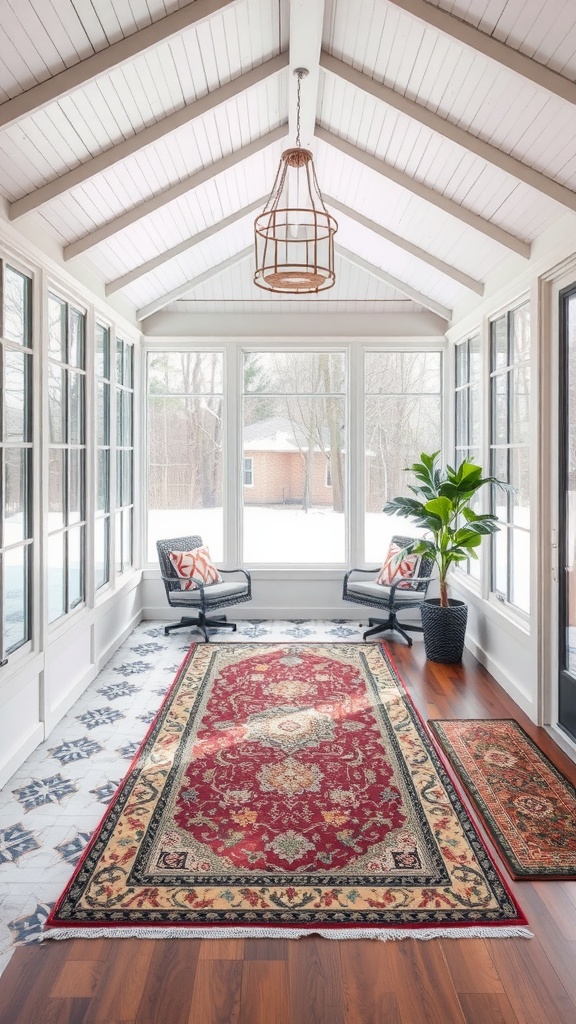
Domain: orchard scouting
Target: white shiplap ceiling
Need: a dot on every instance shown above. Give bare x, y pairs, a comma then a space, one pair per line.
144, 136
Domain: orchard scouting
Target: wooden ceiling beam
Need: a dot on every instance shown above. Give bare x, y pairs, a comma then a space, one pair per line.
306, 20
512, 59
421, 254
146, 268
182, 289
106, 60
147, 137
156, 202
471, 143
430, 195
394, 282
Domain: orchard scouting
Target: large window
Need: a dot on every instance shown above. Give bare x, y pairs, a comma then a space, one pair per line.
67, 457
185, 448
467, 420
15, 459
124, 455
510, 455
102, 518
403, 395
294, 427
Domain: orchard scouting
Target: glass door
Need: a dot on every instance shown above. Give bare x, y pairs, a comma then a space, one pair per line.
567, 506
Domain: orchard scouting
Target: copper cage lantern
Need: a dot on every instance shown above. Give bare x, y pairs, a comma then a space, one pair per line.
294, 235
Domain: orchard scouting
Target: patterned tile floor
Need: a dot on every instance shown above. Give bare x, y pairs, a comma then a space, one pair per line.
50, 807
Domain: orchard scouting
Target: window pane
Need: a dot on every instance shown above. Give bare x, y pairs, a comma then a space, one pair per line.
500, 343
127, 477
521, 333
75, 492
289, 442
185, 373
461, 364
76, 355
103, 481
300, 373
15, 420
462, 438
520, 589
128, 372
127, 399
102, 413
15, 491
57, 328
17, 290
474, 415
403, 372
56, 589
75, 561
15, 599
56, 385
76, 408
119, 361
101, 574
500, 548
184, 470
500, 408
474, 357
126, 538
56, 480
520, 407
102, 354
520, 478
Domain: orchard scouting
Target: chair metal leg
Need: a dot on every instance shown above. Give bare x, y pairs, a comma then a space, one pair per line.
387, 625
202, 623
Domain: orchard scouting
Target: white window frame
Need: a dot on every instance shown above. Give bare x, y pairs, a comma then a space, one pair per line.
248, 470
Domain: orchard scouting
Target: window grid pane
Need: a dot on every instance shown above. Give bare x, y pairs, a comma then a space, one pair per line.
467, 419
16, 480
67, 457
103, 481
510, 455
185, 459
403, 417
124, 461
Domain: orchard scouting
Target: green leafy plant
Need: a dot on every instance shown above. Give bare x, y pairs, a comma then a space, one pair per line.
443, 507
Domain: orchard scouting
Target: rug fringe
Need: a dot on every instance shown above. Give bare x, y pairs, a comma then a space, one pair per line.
380, 934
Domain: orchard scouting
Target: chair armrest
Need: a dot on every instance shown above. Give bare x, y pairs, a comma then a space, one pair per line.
406, 584
175, 582
368, 572
243, 571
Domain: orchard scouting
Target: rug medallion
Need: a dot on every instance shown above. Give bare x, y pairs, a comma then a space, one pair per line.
285, 787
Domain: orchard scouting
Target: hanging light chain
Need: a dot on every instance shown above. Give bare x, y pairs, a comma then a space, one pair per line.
300, 74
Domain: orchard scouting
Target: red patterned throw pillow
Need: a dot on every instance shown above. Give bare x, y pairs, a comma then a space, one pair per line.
397, 566
195, 563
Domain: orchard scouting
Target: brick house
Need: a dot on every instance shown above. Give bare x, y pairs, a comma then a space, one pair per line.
276, 458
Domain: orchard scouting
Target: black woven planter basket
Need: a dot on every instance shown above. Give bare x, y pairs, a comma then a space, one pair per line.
444, 630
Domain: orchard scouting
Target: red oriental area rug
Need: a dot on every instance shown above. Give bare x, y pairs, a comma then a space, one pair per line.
284, 789
528, 806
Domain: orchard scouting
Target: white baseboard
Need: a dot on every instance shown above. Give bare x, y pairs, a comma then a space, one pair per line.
112, 647
242, 612
13, 763
513, 691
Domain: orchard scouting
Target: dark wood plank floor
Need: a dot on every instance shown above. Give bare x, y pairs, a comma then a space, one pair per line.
317, 981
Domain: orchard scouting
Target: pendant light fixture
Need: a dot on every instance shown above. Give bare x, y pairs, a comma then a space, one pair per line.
294, 235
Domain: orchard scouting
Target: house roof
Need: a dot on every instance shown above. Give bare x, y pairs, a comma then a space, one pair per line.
144, 137
279, 434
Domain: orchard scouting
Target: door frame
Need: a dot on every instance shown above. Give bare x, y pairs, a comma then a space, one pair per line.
550, 288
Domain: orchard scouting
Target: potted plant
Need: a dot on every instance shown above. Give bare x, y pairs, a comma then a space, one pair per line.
442, 505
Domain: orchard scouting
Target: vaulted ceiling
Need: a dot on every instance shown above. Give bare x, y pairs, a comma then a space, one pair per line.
144, 136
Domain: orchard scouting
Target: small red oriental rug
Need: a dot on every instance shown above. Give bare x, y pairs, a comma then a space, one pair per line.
527, 805
285, 789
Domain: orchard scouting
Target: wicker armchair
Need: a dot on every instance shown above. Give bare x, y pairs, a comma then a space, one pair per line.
403, 593
208, 597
